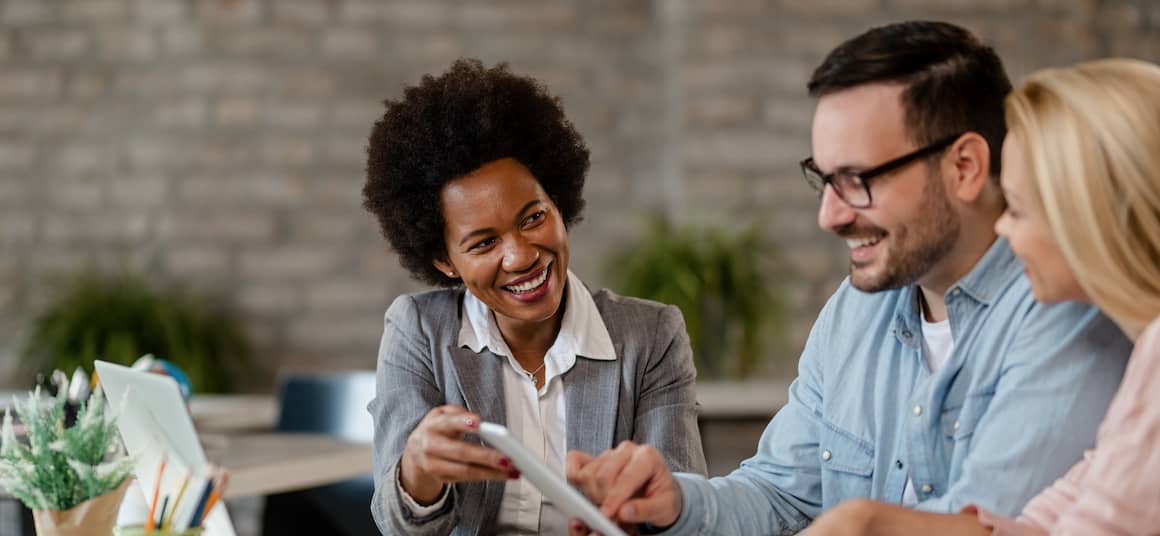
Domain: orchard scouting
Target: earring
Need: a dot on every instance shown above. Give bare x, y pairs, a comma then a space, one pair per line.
450, 274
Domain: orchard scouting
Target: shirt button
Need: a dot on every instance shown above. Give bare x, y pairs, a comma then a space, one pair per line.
826, 455
917, 411
906, 333
898, 464
956, 292
926, 488
956, 425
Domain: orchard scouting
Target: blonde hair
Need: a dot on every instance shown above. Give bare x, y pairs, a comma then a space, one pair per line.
1091, 133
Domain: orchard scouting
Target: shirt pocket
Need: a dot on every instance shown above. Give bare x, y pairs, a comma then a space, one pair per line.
958, 423
847, 463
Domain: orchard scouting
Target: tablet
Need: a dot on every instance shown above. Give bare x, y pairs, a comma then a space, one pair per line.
568, 499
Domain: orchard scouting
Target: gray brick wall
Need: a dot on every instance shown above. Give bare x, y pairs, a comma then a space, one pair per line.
219, 143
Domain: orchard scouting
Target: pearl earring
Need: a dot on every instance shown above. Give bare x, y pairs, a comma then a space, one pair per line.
450, 274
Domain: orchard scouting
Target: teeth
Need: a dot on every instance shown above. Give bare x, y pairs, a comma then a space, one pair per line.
529, 285
861, 242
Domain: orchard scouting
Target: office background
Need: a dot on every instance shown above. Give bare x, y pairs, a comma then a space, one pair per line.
220, 143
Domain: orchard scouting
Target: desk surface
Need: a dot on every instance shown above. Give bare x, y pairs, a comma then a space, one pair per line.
719, 399
729, 399
219, 413
261, 464
268, 462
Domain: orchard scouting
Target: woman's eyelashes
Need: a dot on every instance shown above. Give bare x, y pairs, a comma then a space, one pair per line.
482, 245
535, 218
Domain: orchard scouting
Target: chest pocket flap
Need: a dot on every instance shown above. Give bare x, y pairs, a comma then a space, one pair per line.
960, 422
840, 450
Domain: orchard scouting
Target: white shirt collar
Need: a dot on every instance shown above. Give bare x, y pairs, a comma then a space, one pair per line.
582, 331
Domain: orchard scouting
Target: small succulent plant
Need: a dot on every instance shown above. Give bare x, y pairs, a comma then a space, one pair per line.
59, 467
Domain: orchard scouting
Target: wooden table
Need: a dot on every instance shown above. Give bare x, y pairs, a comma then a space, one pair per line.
719, 399
234, 413
733, 399
265, 463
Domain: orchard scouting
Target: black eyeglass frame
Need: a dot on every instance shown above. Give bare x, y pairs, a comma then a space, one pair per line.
810, 170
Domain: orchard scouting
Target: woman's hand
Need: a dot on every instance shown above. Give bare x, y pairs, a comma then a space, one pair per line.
437, 455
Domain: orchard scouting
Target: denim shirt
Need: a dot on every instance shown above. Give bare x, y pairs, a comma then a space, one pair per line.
1019, 400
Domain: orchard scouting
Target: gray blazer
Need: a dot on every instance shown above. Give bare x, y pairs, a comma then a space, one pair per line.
646, 395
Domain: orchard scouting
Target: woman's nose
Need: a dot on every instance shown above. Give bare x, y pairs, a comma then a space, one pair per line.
520, 256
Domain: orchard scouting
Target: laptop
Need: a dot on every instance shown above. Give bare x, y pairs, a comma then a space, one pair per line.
154, 420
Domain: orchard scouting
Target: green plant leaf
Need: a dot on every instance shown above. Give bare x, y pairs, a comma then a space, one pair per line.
720, 281
60, 467
119, 318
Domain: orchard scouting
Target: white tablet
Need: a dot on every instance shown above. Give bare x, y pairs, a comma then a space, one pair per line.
568, 499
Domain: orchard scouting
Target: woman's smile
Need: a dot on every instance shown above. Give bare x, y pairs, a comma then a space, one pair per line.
532, 287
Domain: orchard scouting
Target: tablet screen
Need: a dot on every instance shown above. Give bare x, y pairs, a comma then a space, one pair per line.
568, 499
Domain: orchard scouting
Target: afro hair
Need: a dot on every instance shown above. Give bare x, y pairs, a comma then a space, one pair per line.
450, 125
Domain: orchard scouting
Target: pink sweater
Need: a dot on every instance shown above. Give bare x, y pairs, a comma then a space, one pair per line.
1115, 489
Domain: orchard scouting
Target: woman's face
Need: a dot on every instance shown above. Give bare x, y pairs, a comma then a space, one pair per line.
1025, 226
506, 240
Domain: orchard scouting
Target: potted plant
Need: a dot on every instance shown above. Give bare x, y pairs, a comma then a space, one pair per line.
120, 317
725, 285
72, 478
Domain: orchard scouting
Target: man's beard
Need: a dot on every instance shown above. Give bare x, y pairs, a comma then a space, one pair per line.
935, 231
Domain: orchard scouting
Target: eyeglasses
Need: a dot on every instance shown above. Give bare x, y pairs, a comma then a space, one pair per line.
853, 186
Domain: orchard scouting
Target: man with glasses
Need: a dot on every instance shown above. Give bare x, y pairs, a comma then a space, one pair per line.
931, 377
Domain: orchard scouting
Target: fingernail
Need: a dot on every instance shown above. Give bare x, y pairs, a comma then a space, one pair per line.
629, 513
576, 525
513, 474
504, 462
469, 422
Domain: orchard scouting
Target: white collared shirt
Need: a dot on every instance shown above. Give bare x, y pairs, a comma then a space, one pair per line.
535, 416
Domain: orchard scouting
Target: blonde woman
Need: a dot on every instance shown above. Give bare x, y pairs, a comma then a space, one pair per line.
1081, 173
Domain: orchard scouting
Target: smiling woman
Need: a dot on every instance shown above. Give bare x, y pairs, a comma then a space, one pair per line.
475, 176
507, 242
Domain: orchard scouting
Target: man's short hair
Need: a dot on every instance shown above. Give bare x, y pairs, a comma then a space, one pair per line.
954, 83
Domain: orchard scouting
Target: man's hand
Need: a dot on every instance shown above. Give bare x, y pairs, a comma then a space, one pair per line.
864, 517
631, 484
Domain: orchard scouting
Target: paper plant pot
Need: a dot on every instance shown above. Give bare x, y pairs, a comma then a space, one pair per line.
94, 517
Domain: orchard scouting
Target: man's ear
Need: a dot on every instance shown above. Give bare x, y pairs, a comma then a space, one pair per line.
969, 162
445, 267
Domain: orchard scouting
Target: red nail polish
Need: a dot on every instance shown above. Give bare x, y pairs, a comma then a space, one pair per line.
504, 462
513, 474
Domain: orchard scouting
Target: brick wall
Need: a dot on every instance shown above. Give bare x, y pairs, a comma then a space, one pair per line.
219, 143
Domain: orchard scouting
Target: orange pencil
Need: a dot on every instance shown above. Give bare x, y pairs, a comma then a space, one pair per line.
156, 490
217, 493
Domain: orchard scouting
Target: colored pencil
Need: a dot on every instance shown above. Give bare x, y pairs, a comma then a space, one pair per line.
167, 524
156, 490
218, 491
201, 501
164, 507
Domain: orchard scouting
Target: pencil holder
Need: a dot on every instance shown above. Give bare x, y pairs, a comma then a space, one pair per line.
138, 530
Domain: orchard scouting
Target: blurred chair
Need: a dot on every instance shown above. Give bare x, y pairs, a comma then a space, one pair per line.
334, 404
